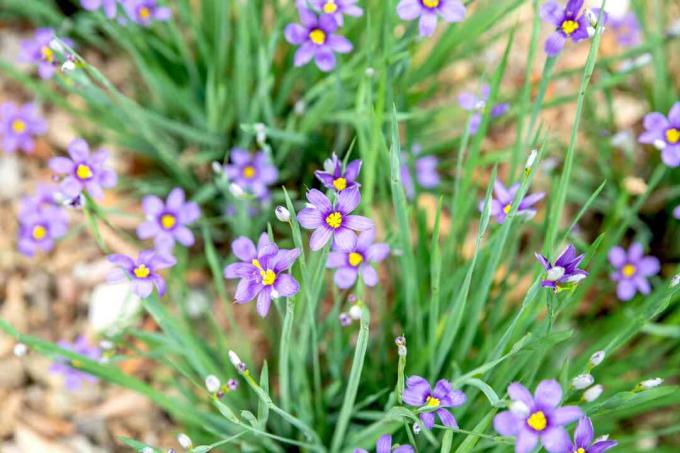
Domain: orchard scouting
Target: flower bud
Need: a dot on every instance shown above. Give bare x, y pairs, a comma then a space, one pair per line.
651, 383
355, 312
68, 66
582, 381
299, 107
236, 361
531, 159
184, 441
593, 393
217, 168
147, 450
400, 340
675, 280
369, 72
416, 428
282, 214
597, 358
232, 384
20, 349
402, 351
236, 190
212, 383
345, 319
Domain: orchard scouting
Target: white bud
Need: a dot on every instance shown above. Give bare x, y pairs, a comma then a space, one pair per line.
212, 383
147, 450
593, 393
282, 214
236, 190
217, 167
20, 349
582, 381
555, 273
106, 345
480, 105
651, 383
299, 107
531, 159
236, 361
416, 428
184, 441
260, 133
590, 16
675, 280
660, 145
597, 358
402, 351
68, 66
590, 31
355, 312
519, 408
370, 72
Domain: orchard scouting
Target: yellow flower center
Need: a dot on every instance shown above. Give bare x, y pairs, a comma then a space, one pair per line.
537, 421
569, 27
628, 270
141, 271
340, 184
47, 54
334, 220
18, 126
580, 450
268, 277
317, 36
431, 401
39, 232
330, 7
144, 12
256, 263
249, 172
431, 3
168, 221
673, 136
507, 208
83, 171
355, 259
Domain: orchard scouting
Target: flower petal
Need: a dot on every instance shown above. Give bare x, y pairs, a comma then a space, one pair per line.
625, 290
548, 393
452, 11
264, 301
427, 23
320, 237
357, 222
369, 275
244, 249
617, 257
555, 440
345, 277
554, 44
583, 435
310, 218
447, 418
409, 9
416, 391
507, 424
286, 285
565, 415
62, 165
526, 441
518, 392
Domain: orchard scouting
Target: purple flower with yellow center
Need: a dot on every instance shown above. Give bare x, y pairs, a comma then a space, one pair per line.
426, 173
583, 439
428, 10
335, 178
37, 51
357, 260
632, 270
537, 417
419, 393
316, 38
39, 226
144, 12
333, 220
564, 274
338, 9
251, 172
73, 377
568, 23
143, 272
108, 6
664, 134
19, 126
83, 171
502, 203
261, 272
167, 221
384, 445
472, 102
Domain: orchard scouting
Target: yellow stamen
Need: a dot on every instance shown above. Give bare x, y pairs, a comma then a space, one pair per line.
431, 401
249, 172
141, 271
83, 171
673, 136
317, 36
334, 220
256, 263
39, 232
628, 270
569, 27
330, 7
431, 3
340, 184
47, 54
507, 208
537, 421
355, 259
18, 126
144, 12
168, 221
268, 277
580, 450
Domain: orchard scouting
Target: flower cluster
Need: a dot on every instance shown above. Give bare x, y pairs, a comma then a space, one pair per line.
428, 10
19, 125
472, 102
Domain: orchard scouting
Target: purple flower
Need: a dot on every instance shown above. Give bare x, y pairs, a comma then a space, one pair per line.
568, 23
419, 393
142, 272
531, 418
333, 220
41, 221
473, 103
676, 212
109, 6
73, 377
337, 9
349, 263
334, 178
261, 272
428, 10
167, 221
632, 270
144, 12
664, 134
315, 37
37, 51
384, 445
426, 172
564, 274
84, 171
251, 172
19, 125
502, 204
583, 439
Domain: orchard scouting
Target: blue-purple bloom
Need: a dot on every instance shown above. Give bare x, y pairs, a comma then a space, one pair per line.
350, 263
569, 24
251, 172
167, 221
419, 393
143, 272
261, 271
426, 174
502, 203
335, 220
338, 9
41, 221
335, 178
108, 6
384, 445
37, 51
632, 270
537, 417
84, 171
625, 27
428, 10
316, 38
583, 439
73, 377
664, 134
19, 125
474, 103
564, 274
145, 12
676, 212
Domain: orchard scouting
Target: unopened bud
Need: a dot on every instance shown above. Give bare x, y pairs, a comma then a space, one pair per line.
402, 351
675, 281
370, 72
20, 349
236, 190
345, 319
355, 312
597, 358
593, 393
282, 214
236, 361
147, 450
299, 107
232, 384
416, 428
217, 167
212, 383
68, 66
260, 133
184, 441
531, 159
582, 381
651, 383
400, 340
